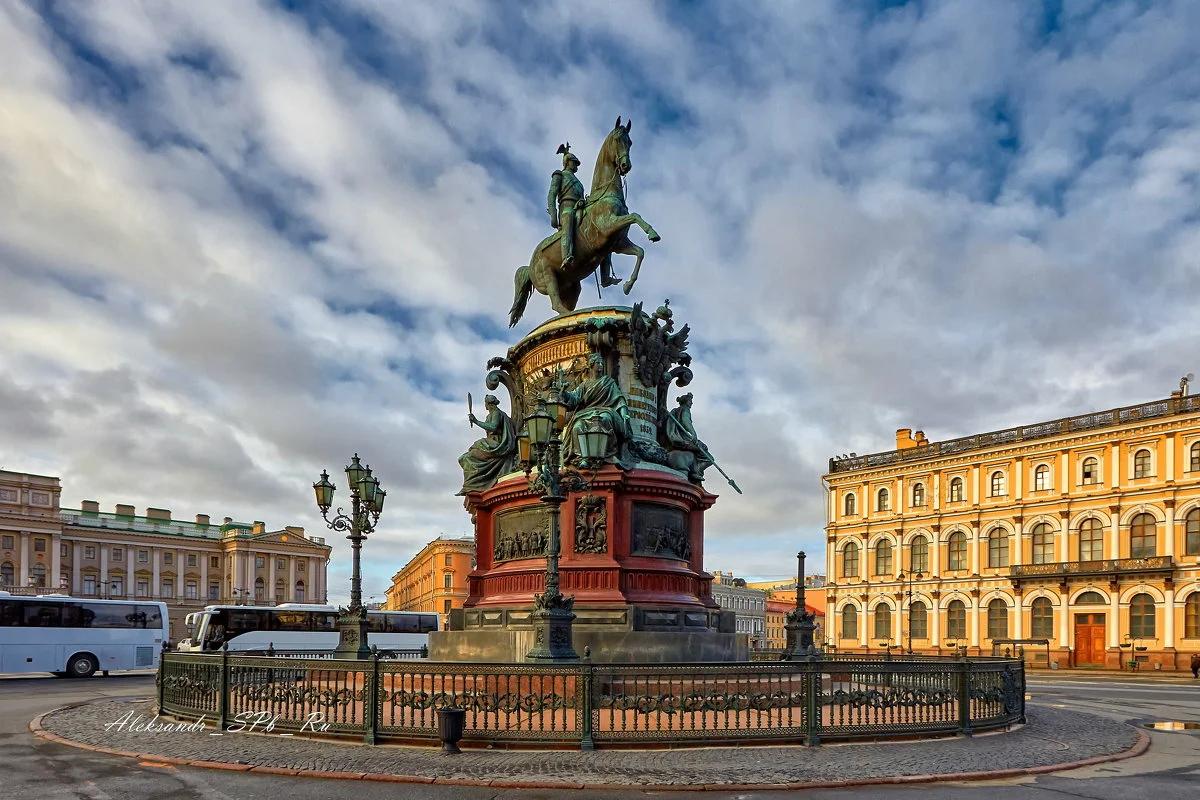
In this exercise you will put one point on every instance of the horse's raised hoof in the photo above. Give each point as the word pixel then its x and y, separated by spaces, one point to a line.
pixel 628 287
pixel 653 236
pixel 611 280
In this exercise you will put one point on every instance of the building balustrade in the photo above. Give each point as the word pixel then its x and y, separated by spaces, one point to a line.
pixel 1108 566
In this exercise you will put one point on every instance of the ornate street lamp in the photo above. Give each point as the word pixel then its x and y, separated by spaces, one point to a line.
pixel 906 580
pixel 541 447
pixel 801 623
pixel 366 504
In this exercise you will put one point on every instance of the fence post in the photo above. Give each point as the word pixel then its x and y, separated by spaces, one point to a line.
pixel 161 679
pixel 812 690
pixel 585 706
pixel 371 705
pixel 964 697
pixel 223 697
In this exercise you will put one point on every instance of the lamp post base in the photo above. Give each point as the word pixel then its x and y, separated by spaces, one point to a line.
pixel 552 637
pixel 800 632
pixel 352 644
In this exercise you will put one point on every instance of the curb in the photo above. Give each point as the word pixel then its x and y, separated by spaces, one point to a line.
pixel 1139 747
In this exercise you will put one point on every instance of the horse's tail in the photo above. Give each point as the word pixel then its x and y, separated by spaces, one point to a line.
pixel 522 291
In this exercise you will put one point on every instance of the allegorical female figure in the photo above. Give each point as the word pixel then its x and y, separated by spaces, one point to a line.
pixel 492 456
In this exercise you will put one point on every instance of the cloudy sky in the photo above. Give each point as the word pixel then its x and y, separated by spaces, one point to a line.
pixel 240 241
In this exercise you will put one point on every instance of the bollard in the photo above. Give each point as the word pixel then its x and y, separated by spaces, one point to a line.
pixel 451 722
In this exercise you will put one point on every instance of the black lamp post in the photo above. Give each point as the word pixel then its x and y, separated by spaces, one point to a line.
pixel 366 504
pixel 541 447
pixel 906 580
pixel 801 623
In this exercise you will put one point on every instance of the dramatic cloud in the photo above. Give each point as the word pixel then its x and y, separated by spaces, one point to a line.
pixel 241 241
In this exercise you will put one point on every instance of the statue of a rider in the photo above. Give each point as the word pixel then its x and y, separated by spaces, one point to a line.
pixel 565 204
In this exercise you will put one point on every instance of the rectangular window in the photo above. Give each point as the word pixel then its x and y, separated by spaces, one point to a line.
pixel 89 551
pixel 39 545
pixel 214 561
pixel 143 556
pixel 168 588
pixel 117 554
pixel 449 560
pixel 63 549
pixel 280 564
pixel 214 590
pixel 117 586
pixel 190 590
pixel 89 584
pixel 448 580
pixel 191 559
pixel 260 562
pixel 8 543
pixel 446 607
pixel 168 559
pixel 301 565
pixel 142 587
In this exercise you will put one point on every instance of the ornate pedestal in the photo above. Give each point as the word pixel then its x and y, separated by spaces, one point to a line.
pixel 632 544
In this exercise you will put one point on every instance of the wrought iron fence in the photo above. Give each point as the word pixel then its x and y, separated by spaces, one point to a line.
pixel 590 705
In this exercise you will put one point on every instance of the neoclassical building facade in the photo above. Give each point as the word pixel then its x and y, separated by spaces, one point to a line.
pixel 435 579
pixel 1077 539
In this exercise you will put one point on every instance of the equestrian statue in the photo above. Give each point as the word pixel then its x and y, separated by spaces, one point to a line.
pixel 589 231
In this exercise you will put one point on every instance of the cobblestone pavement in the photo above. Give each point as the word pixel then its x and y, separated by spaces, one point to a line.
pixel 1053 736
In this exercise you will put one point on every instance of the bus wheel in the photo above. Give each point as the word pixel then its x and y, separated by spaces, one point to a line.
pixel 82 665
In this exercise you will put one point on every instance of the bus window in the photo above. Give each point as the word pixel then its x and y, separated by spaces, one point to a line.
pixel 43 615
pixel 151 616
pixel 289 621
pixel 10 613
pixel 429 622
pixel 112 615
pixel 324 622
pixel 243 620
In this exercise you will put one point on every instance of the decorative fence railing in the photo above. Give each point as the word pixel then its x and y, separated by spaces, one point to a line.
pixel 590 705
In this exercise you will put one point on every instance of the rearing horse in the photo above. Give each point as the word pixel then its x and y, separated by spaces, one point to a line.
pixel 603 229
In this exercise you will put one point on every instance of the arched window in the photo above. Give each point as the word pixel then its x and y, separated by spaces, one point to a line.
pixel 1143 537
pixel 850 560
pixel 918 620
pixel 1041 478
pixel 850 505
pixel 1042 614
pixel 1191 616
pixel 883 500
pixel 1090 471
pixel 997 619
pixel 918 498
pixel 6 574
pixel 1141 616
pixel 918 555
pixel 1091 540
pixel 1141 464
pixel 997 484
pixel 1090 599
pixel 998 548
pixel 956 490
pixel 883 622
pixel 883 557
pixel 37 575
pixel 957 548
pixel 956 620
pixel 260 589
pixel 1194 458
pixel 279 590
pixel 1043 544
pixel 299 591
pixel 1191 539
pixel 850 623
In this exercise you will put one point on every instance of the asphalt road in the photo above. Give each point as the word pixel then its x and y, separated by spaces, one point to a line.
pixel 41 770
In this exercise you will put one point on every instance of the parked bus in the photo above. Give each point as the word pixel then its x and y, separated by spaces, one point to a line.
pixel 75 637
pixel 297 627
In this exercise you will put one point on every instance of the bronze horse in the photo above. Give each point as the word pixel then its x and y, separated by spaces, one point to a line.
pixel 603 230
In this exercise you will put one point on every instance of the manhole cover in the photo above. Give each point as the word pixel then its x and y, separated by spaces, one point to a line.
pixel 1173 726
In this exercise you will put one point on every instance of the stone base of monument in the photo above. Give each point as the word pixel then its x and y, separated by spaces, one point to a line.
pixel 506 646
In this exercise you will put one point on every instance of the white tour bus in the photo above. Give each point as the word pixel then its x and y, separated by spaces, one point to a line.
pixel 291 627
pixel 77 636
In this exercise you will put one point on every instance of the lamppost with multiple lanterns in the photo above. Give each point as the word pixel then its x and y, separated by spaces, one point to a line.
pixel 366 504
pixel 541 449
pixel 906 580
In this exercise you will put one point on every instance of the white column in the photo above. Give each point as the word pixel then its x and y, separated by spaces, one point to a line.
pixel 1016 553
pixel 55 561
pixel 901 502
pixel 155 586
pixel 1063 625
pixel 980 552
pixel 1114 536
pixel 23 575
pixel 76 557
pixel 202 589
pixel 1114 620
pixel 935 624
pixel 898 624
pixel 1018 631
pixel 935 555
pixel 103 588
pixel 1018 479
pixel 1064 532
pixel 974 488
pixel 1169 620
pixel 937 491
pixel 865 627
pixel 1170 470
pixel 290 594
pixel 310 584
pixel 1064 482
pixel 271 578
pixel 1114 466
pixel 974 611
pixel 1170 548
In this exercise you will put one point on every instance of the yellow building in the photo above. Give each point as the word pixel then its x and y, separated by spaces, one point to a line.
pixel 1084 532
pixel 435 579
pixel 186 564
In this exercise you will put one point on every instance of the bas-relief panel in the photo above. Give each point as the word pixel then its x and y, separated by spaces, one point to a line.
pixel 660 531
pixel 521 534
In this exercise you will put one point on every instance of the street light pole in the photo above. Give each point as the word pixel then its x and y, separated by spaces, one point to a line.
pixel 801 623
pixel 906 580
pixel 366 504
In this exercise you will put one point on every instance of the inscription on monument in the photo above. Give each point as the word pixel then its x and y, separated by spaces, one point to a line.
pixel 521 534
pixel 660 531
pixel 643 411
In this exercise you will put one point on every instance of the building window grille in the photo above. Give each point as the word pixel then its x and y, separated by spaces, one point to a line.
pixel 1043 544
pixel 1143 537
pixel 1042 616
pixel 918 495
pixel 998 548
pixel 883 558
pixel 1194 458
pixel 918 621
pixel 1041 478
pixel 849 506
pixel 918 559
pixel 850 560
pixel 7 574
pixel 1191 541
pixel 1141 464
pixel 956 620
pixel 850 623
pixel 1091 540
pixel 997 619
pixel 956 490
pixel 1191 616
pixel 997 484
pixel 883 622
pixel 958 551
pixel 1091 471
pixel 883 500
pixel 1141 617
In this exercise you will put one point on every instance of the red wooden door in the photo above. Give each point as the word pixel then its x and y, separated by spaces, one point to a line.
pixel 1089 640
